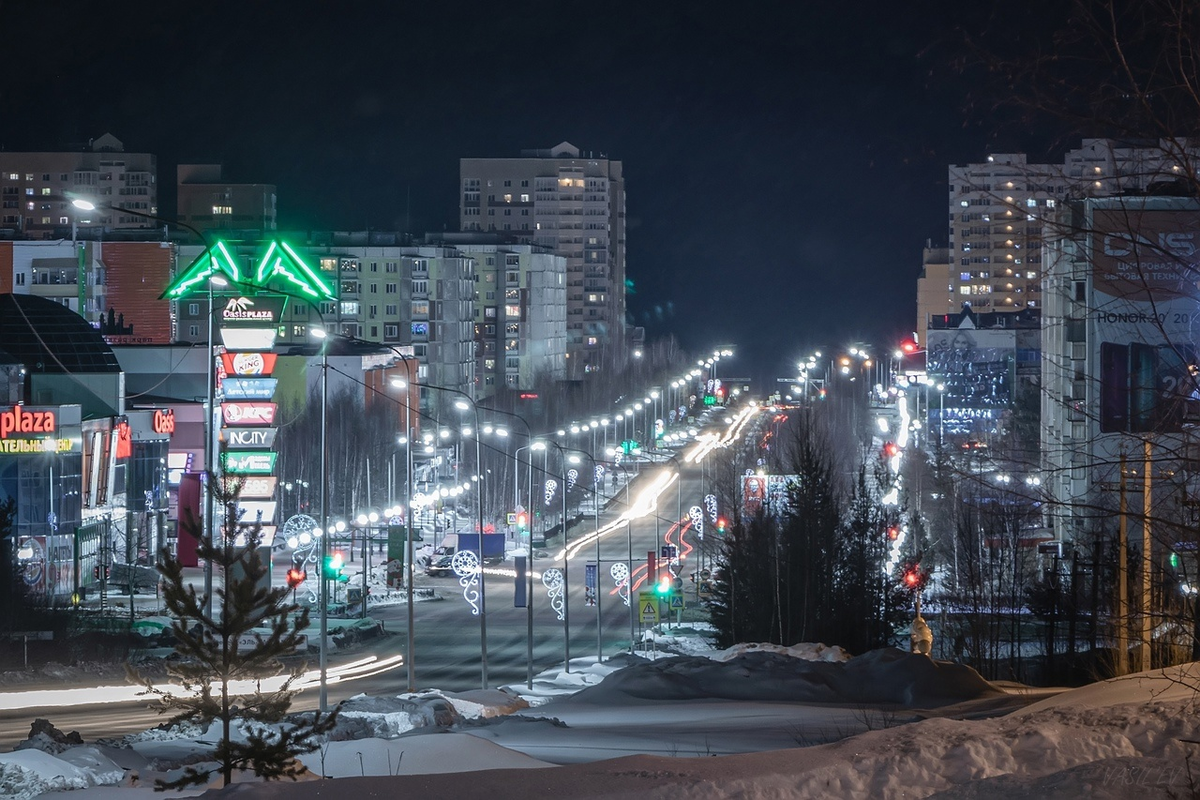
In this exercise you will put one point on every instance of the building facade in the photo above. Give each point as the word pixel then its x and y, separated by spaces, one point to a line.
pixel 208 202
pixel 573 204
pixel 35 189
pixel 998 209
pixel 1120 370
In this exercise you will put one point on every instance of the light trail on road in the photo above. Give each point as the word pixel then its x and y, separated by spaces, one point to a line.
pixel 102 695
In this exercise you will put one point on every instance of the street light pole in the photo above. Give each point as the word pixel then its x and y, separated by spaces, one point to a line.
pixel 323 698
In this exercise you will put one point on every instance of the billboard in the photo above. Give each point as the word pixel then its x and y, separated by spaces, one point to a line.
pixel 1142 312
pixel 766 492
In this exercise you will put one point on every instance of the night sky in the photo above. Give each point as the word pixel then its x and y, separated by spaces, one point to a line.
pixel 785 162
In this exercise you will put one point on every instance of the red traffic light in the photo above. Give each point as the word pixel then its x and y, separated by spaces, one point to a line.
pixel 295 577
pixel 908 346
pixel 721 524
pixel 893 532
pixel 912 579
pixel 890 450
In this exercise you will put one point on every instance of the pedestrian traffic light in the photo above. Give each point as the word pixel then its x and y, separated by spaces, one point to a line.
pixel 295 577
pixel 721 524
pixel 663 587
pixel 332 569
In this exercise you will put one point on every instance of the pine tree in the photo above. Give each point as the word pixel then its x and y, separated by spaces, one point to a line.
pixel 220 679
pixel 743 607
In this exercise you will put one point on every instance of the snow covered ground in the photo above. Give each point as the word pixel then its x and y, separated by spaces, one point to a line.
pixel 754 721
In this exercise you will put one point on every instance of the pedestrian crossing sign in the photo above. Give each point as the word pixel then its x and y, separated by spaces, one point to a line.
pixel 676 602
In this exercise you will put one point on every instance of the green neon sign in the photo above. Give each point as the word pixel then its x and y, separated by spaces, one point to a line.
pixel 280 268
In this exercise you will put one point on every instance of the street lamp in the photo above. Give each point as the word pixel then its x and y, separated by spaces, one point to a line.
pixel 320 333
pixel 462 405
pixel 574 459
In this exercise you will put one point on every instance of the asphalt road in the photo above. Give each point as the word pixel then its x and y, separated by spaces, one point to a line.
pixel 447 634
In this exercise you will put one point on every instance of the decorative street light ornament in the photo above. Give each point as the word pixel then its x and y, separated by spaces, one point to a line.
pixel 553 580
pixel 710 503
pixel 696 515
pixel 467 567
pixel 599 475
pixel 620 575
pixel 572 477
pixel 302 529
pixel 551 488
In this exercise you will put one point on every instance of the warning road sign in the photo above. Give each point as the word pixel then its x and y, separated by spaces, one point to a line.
pixel 676 602
pixel 648 606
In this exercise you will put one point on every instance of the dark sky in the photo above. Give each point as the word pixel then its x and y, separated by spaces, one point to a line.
pixel 784 162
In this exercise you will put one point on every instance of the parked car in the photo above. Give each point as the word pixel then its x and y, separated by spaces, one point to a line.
pixel 440 568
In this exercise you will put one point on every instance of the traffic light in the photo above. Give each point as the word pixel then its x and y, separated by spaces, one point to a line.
pixel 663 587
pixel 522 521
pixel 908 346
pixel 890 450
pixel 893 533
pixel 295 577
pixel 721 524
pixel 912 579
pixel 332 569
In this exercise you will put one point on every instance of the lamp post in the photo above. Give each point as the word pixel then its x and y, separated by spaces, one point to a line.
pixel 323 593
pixel 529 571
pixel 463 405
pixel 596 533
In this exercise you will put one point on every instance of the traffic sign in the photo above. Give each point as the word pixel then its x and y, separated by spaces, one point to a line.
pixel 648 607
pixel 676 602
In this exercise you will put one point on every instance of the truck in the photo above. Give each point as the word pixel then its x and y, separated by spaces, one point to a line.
pixel 492 552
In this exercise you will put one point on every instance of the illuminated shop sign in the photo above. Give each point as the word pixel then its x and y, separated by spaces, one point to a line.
pixel 124 439
pixel 248 413
pixel 164 421
pixel 261 310
pixel 21 422
pixel 250 438
pixel 248 463
pixel 249 388
pixel 253 487
pixel 238 339
pixel 252 364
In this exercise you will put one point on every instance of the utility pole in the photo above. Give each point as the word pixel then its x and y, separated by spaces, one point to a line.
pixel 1146 508
pixel 1122 576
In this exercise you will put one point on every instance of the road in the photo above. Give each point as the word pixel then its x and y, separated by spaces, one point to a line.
pixel 446 632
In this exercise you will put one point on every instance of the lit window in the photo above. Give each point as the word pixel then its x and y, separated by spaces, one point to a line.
pixel 46 190
pixel 219 210
pixel 512 311
pixel 1031 203
pixel 964 290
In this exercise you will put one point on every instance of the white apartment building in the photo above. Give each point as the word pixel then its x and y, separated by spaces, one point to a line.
pixel 573 204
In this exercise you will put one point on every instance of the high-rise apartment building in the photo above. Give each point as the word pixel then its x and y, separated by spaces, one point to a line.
pixel 997 210
pixel 573 204
pixel 34 189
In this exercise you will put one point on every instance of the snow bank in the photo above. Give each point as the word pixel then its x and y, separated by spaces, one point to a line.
pixel 29 773
pixel 886 676
pixel 806 651
pixel 414 755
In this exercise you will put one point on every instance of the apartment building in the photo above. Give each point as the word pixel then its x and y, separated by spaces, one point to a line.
pixel 520 311
pixel 572 203
pixel 34 189
pixel 114 285
pixel 998 208
pixel 208 202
